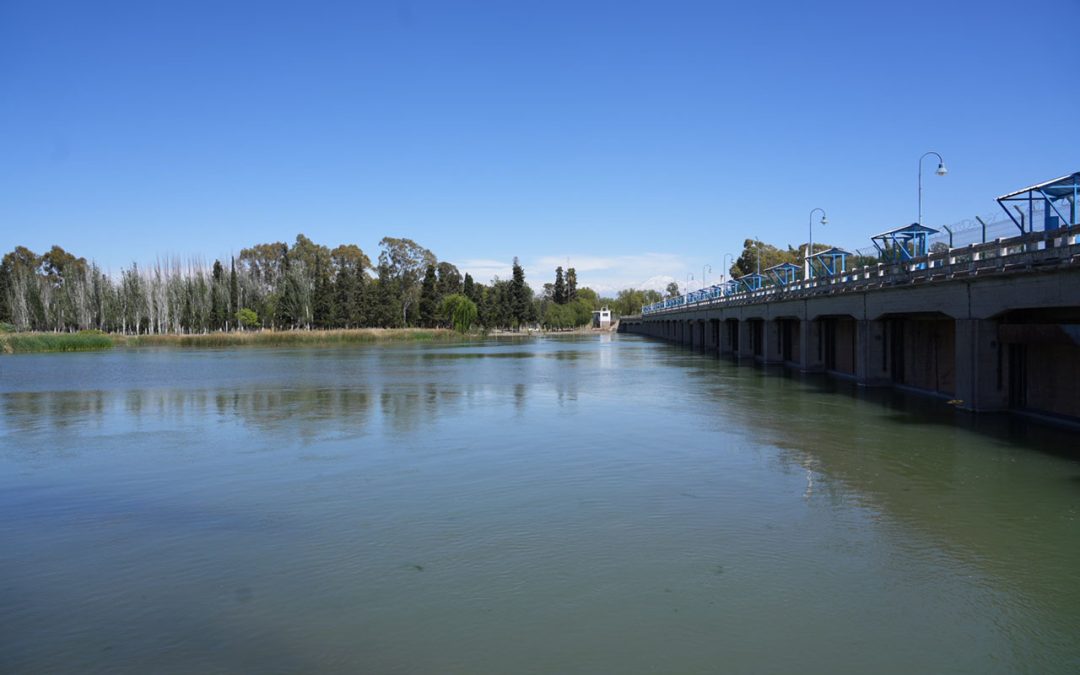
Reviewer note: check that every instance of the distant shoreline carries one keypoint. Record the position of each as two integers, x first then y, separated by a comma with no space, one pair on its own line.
36,343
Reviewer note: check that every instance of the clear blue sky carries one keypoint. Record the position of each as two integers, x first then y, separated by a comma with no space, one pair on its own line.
639,139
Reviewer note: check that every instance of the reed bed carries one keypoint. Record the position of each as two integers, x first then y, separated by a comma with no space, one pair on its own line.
285,338
21,343
24,343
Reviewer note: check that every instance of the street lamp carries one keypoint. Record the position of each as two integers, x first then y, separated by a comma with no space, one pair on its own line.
689,277
941,171
727,267
703,267
809,272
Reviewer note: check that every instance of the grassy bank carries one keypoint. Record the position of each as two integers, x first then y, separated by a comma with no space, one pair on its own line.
286,338
23,343
17,343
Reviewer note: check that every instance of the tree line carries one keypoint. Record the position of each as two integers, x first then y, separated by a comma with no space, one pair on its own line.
280,286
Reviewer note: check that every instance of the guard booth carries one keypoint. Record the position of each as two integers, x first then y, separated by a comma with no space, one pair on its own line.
601,318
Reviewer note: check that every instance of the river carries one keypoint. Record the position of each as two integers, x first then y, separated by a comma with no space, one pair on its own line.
583,505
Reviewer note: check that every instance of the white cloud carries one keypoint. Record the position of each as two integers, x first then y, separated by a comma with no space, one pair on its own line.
483,270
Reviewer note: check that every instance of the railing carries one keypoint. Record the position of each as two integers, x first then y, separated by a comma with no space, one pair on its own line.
1027,251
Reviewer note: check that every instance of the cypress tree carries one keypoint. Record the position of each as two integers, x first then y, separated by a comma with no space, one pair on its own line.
345,295
429,298
234,290
218,300
571,285
469,288
520,299
324,303
559,295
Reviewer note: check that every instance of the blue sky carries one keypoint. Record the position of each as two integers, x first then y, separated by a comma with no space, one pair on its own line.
640,140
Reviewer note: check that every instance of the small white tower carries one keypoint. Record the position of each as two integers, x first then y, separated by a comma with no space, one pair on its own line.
601,318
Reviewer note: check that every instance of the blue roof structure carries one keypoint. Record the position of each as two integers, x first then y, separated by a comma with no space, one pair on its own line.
752,282
1055,194
830,262
784,273
903,243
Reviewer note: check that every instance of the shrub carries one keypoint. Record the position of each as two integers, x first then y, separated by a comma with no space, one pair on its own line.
247,318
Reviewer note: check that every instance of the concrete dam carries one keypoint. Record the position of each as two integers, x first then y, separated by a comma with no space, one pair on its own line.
992,326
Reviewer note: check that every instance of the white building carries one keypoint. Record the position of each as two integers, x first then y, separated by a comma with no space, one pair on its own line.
601,318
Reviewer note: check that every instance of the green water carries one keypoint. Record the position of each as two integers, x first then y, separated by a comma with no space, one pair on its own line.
593,505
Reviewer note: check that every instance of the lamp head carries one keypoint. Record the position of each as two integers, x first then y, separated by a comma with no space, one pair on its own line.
941,170
824,219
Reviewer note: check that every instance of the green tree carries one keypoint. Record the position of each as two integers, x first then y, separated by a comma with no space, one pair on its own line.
234,289
429,298
469,288
770,255
558,293
324,303
219,309
385,307
520,299
462,311
405,261
449,279
247,318
672,289
571,284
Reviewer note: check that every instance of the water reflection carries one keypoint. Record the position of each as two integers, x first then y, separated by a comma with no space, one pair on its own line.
598,496
947,482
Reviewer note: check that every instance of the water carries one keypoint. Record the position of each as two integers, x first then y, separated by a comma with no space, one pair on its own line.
598,505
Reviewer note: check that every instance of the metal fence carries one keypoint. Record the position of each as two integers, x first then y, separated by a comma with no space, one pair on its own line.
969,247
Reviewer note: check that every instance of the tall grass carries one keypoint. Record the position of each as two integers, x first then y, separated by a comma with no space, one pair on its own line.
15,343
21,343
287,338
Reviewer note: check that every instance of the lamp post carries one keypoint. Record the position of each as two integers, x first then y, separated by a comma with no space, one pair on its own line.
689,278
727,267
703,268
809,272
941,171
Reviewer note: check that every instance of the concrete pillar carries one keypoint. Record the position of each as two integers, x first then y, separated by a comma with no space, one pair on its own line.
871,368
746,344
981,367
810,346
712,335
770,352
727,347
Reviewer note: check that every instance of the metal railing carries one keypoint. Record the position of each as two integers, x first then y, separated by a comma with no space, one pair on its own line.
1027,251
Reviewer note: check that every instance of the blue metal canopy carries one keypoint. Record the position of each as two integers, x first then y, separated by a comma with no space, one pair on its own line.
784,273
752,282
1060,192
830,262
903,243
